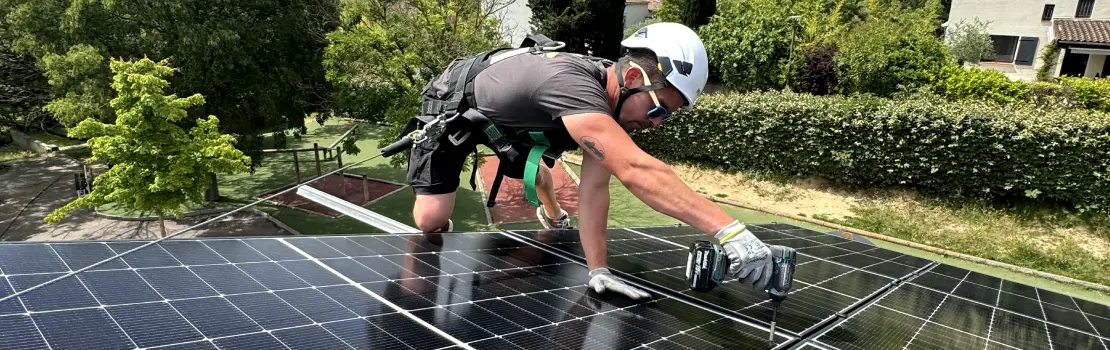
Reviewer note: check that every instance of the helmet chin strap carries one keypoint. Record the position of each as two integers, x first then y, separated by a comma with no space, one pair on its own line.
626,92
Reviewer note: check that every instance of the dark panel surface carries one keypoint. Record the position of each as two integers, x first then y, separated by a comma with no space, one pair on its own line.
832,274
494,291
956,309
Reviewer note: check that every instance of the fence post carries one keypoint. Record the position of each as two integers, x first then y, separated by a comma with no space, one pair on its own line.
316,150
297,166
339,158
365,189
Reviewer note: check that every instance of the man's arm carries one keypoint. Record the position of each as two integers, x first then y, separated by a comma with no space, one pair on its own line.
652,181
593,210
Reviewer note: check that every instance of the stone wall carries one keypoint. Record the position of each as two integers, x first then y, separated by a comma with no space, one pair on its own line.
28,142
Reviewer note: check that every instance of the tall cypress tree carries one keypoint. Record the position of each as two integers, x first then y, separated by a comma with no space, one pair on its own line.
587,27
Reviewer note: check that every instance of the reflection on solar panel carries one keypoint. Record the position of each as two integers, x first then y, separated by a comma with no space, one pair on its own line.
852,295
502,290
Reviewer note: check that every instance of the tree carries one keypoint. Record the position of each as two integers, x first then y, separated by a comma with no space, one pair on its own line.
893,50
258,61
749,43
586,26
156,165
23,90
692,13
970,42
384,53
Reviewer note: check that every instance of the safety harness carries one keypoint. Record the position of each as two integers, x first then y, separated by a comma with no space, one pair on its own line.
460,101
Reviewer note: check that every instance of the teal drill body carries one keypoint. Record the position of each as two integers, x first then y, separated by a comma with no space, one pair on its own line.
707,263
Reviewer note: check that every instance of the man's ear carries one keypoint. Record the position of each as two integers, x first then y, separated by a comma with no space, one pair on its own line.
633,78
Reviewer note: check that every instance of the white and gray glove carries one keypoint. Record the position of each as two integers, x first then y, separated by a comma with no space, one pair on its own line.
602,281
749,259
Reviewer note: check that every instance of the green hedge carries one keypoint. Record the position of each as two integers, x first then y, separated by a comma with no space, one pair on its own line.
957,83
963,148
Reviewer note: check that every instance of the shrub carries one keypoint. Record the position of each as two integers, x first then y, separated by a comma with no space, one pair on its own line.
957,148
881,57
957,83
1090,93
749,43
1052,95
818,71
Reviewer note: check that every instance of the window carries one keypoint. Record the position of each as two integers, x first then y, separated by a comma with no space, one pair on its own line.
1084,9
1047,14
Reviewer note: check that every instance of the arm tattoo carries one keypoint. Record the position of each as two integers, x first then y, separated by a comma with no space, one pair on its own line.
594,146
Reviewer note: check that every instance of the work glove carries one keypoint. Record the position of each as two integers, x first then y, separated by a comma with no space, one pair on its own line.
602,281
749,259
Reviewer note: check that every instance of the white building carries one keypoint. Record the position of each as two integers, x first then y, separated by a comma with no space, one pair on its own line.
1021,29
636,11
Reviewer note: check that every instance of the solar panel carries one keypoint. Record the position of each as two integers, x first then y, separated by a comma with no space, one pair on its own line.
832,275
950,307
852,295
467,290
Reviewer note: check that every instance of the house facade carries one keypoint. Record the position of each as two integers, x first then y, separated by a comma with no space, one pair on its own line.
1022,29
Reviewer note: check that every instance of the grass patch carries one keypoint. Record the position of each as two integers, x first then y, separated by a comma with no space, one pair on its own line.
52,139
1056,243
625,209
115,209
12,152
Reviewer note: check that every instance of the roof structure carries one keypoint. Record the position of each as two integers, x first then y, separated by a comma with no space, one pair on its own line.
1082,30
507,290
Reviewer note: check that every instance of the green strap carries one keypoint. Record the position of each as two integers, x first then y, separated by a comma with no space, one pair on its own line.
532,167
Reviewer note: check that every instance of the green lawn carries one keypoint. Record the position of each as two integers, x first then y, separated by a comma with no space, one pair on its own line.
13,152
48,138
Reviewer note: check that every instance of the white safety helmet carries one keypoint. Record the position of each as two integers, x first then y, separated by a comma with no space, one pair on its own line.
682,56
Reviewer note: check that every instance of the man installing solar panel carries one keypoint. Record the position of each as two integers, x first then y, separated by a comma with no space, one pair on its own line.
532,103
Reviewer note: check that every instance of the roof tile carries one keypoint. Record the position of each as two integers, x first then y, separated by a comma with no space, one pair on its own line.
1082,30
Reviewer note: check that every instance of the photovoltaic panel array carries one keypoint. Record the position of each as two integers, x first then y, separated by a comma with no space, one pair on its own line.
953,308
460,290
833,276
839,303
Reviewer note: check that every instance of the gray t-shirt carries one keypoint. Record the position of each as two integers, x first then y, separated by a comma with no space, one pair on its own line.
534,90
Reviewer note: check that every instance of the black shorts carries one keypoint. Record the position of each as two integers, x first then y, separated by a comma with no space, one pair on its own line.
437,170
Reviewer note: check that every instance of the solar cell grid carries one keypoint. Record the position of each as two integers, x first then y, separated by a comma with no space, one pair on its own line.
500,290
962,313
829,278
495,291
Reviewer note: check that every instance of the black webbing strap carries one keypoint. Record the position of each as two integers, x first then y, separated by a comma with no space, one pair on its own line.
496,185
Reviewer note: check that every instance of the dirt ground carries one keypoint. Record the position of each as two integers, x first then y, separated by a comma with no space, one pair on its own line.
32,187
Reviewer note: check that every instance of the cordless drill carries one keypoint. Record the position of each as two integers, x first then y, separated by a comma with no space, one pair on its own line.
708,263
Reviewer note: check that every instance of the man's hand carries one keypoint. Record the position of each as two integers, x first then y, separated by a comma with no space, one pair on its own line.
749,259
602,281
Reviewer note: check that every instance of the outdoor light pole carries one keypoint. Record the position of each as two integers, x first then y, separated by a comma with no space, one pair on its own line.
790,62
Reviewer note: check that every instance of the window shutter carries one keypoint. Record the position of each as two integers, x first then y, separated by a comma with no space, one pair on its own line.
1026,50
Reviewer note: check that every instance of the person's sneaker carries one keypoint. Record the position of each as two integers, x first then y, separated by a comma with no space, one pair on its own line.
562,222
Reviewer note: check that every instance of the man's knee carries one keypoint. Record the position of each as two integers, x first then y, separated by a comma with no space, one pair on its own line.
432,212
543,177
